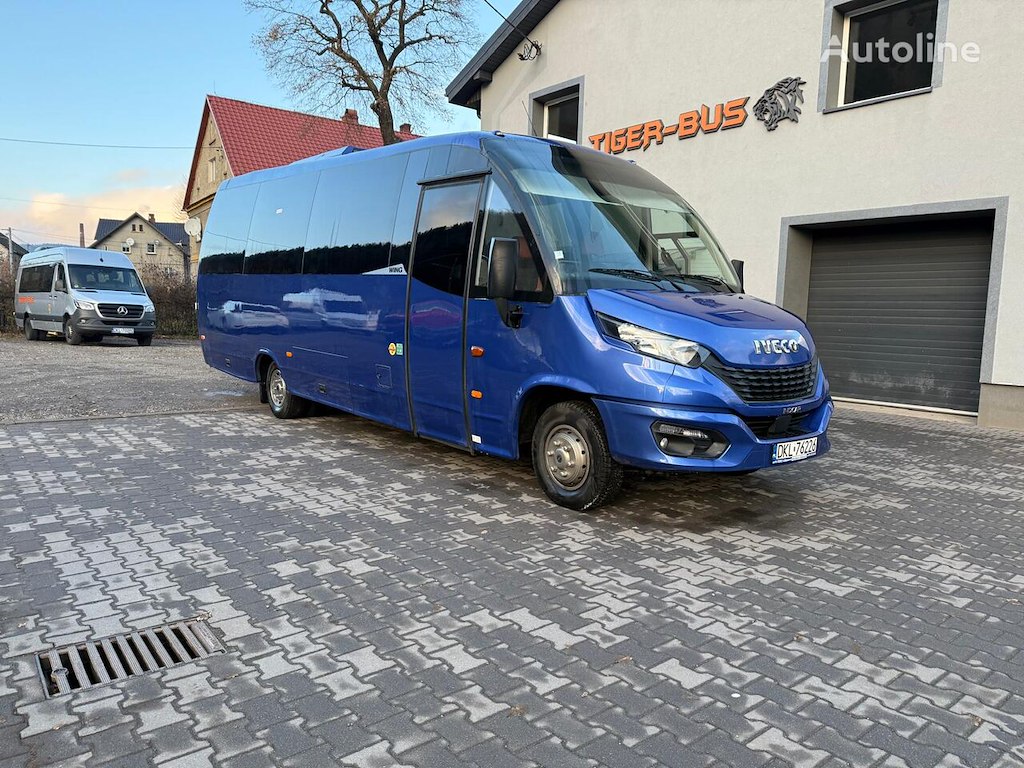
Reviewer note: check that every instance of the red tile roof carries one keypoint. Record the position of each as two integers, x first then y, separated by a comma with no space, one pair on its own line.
258,137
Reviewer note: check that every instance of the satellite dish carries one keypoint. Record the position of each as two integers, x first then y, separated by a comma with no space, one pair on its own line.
130,242
194,227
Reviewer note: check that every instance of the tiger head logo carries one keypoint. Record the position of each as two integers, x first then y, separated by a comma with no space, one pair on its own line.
780,103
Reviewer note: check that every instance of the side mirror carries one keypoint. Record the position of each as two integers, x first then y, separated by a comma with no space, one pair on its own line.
737,264
501,267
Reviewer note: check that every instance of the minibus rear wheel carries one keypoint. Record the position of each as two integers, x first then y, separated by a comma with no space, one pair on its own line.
31,333
283,403
571,457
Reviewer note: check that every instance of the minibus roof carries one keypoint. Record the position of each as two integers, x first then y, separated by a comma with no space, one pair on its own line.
344,155
87,256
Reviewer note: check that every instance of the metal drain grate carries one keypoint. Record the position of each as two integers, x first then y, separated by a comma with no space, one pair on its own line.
98,662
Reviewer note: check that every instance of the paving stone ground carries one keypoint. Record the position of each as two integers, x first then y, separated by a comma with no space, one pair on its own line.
386,601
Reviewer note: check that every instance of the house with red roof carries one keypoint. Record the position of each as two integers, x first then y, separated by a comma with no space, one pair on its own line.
237,137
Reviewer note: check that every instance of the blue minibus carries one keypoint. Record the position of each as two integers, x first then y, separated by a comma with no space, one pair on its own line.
511,296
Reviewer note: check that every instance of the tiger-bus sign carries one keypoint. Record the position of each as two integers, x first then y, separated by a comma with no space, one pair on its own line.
780,102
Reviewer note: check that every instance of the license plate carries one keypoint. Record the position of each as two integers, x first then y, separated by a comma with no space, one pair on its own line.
795,450
126,331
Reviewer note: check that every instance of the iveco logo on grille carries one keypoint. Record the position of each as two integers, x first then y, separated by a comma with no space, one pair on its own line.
776,346
122,310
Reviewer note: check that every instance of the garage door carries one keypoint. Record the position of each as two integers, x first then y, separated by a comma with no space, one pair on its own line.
898,312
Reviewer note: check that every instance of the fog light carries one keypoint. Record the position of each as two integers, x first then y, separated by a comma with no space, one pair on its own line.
688,442
677,431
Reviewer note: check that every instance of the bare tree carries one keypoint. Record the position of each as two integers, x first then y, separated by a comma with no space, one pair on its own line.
385,54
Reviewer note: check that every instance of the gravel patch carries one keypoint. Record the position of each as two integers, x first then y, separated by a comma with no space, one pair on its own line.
48,380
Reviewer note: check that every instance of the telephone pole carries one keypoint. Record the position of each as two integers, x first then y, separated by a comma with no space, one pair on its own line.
10,250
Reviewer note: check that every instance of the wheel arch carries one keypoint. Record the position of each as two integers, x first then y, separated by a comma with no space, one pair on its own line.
538,397
261,366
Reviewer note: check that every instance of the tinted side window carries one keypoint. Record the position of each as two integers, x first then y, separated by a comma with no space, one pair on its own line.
353,217
444,234
227,230
37,279
409,201
502,219
278,229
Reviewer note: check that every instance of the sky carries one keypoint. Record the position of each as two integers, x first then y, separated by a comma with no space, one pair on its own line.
125,72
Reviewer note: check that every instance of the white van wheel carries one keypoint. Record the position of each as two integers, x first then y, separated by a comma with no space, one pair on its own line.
71,335
31,333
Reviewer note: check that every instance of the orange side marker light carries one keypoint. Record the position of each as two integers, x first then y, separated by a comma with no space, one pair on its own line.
476,351
476,394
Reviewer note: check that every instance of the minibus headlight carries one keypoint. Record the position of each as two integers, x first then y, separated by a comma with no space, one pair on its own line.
86,305
655,344
149,307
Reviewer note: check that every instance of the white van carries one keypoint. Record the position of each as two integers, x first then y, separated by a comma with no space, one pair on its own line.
83,294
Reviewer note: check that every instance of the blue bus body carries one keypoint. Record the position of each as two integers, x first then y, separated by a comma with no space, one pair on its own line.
364,279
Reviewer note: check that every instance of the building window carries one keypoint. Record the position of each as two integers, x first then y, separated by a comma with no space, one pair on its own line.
133,227
557,112
211,170
561,118
151,249
125,248
888,49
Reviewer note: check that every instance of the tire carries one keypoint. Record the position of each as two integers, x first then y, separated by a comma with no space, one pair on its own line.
71,335
31,333
144,341
571,457
283,403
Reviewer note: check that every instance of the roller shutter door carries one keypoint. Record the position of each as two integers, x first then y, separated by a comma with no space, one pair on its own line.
898,312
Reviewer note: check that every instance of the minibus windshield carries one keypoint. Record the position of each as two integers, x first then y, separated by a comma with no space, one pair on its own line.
85,277
609,224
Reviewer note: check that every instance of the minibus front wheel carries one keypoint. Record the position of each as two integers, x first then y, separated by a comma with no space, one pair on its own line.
283,403
571,457
71,334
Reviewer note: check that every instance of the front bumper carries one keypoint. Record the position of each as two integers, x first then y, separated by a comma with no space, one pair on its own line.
632,442
88,322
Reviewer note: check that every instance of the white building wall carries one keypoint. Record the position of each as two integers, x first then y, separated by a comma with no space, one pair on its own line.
657,58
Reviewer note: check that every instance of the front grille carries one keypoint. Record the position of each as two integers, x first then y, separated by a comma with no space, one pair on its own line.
767,385
776,427
110,311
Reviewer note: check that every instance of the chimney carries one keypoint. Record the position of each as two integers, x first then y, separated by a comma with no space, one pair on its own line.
81,234
405,128
152,218
351,117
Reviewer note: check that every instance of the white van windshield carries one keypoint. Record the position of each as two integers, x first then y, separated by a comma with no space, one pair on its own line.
610,224
92,278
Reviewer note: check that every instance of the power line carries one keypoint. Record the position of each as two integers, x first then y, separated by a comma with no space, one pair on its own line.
66,205
94,146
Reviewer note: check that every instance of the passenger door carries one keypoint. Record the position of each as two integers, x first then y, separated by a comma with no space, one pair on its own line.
436,307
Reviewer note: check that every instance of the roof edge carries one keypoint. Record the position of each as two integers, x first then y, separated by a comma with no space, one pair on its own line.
499,46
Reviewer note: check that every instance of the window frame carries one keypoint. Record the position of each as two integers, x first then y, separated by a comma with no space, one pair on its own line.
832,73
555,94
151,249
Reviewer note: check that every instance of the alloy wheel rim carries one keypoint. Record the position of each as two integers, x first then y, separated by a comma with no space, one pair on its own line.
567,457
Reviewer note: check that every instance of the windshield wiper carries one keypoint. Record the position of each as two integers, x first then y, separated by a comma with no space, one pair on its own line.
682,278
632,274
